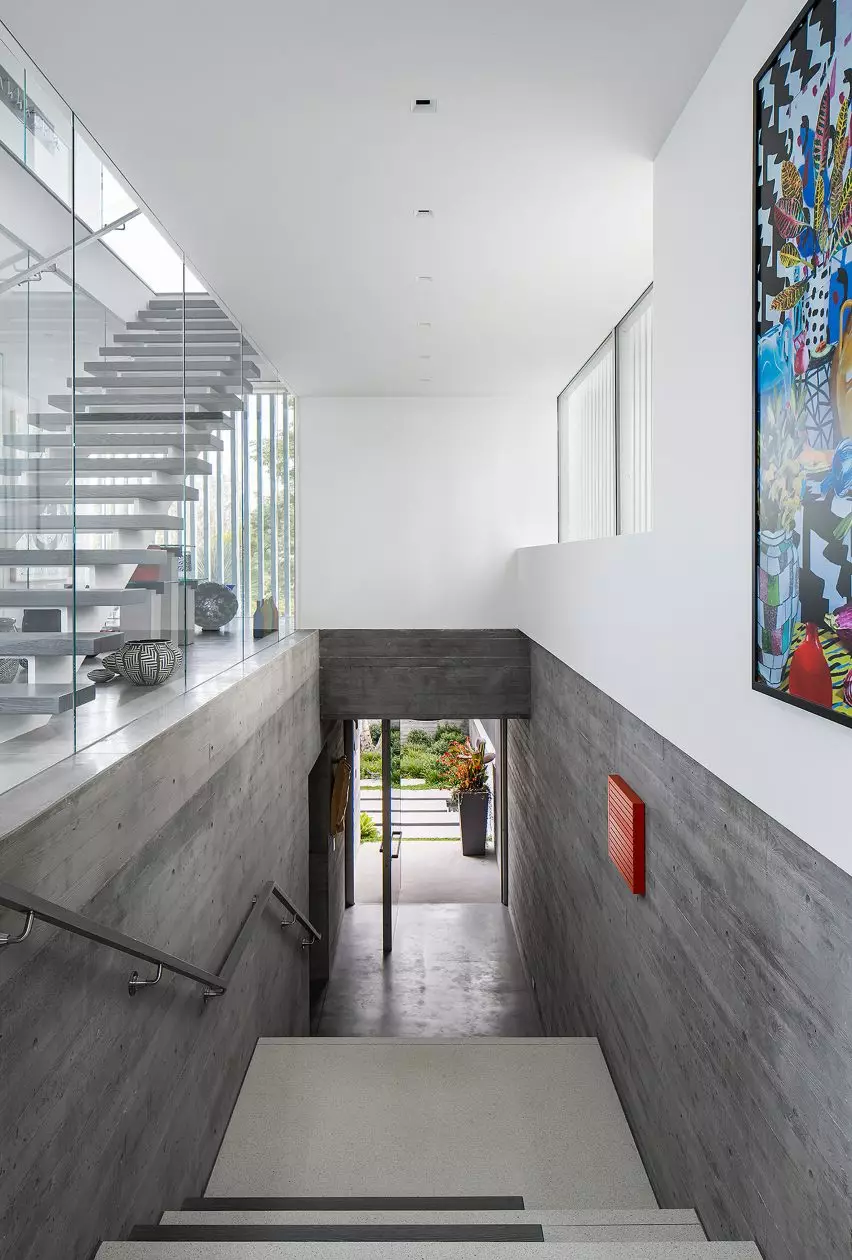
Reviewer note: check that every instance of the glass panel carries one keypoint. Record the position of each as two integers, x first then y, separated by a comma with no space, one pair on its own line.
391,827
37,649
635,336
130,464
586,420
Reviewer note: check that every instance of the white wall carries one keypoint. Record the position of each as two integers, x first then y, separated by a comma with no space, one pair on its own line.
663,622
410,509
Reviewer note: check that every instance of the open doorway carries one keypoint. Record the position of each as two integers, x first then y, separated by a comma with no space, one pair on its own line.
435,867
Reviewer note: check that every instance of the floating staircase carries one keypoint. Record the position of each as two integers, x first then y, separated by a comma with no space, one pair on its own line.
147,412
450,1126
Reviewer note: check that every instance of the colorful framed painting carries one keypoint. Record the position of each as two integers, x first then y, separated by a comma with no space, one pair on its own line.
803,365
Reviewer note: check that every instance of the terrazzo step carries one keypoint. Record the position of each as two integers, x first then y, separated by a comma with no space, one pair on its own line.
66,493
426,1233
92,466
105,443
185,310
61,643
62,597
655,1225
34,558
51,698
101,523
370,1204
614,1250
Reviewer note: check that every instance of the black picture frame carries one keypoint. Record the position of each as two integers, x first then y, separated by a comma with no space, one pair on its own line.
757,683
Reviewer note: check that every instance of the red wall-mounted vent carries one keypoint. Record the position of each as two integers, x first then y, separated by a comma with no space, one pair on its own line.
626,832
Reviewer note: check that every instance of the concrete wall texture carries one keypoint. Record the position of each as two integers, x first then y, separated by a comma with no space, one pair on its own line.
112,1107
722,999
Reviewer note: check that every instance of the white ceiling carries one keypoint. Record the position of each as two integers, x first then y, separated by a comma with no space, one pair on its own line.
276,144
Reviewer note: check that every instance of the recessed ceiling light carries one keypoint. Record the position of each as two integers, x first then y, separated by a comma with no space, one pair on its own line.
424,323
424,105
424,380
425,279
425,356
424,214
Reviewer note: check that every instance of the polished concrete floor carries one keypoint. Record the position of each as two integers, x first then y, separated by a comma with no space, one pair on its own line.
433,871
455,971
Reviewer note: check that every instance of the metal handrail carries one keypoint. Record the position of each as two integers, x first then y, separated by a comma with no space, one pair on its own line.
215,983
47,264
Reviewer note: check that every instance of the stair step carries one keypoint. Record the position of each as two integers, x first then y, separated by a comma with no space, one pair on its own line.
53,698
653,1225
100,597
175,352
132,421
356,1203
84,557
200,395
100,523
338,1233
92,466
175,363
179,301
508,1250
170,380
107,442
61,643
164,323
194,339
96,523
100,494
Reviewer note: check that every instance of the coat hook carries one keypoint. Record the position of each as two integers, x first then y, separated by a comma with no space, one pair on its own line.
135,983
6,939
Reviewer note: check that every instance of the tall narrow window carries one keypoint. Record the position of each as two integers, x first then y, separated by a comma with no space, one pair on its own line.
635,339
587,450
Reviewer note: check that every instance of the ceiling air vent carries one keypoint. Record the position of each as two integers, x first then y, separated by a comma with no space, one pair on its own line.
424,105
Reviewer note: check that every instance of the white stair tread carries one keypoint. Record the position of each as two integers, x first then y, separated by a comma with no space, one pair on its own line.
61,643
27,522
105,442
84,556
566,1250
53,698
102,597
66,493
102,467
544,1110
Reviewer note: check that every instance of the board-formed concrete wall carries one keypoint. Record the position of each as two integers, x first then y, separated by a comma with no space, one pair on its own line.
112,1107
424,673
722,999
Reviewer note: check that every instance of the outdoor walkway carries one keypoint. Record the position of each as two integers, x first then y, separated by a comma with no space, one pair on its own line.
433,871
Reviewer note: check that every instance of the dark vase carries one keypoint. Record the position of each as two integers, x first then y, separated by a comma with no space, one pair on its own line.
473,813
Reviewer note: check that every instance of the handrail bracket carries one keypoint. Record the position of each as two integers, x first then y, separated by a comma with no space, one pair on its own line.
7,939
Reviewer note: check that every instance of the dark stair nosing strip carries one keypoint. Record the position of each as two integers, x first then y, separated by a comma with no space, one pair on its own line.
358,1203
337,1233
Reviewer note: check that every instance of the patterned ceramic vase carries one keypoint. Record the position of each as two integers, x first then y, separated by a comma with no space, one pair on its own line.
778,607
9,665
148,662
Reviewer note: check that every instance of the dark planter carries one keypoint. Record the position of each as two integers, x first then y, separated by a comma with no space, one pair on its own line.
473,811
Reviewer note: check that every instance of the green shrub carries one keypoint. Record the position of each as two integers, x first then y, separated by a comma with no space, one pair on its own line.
417,763
369,830
371,764
418,739
446,735
375,732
